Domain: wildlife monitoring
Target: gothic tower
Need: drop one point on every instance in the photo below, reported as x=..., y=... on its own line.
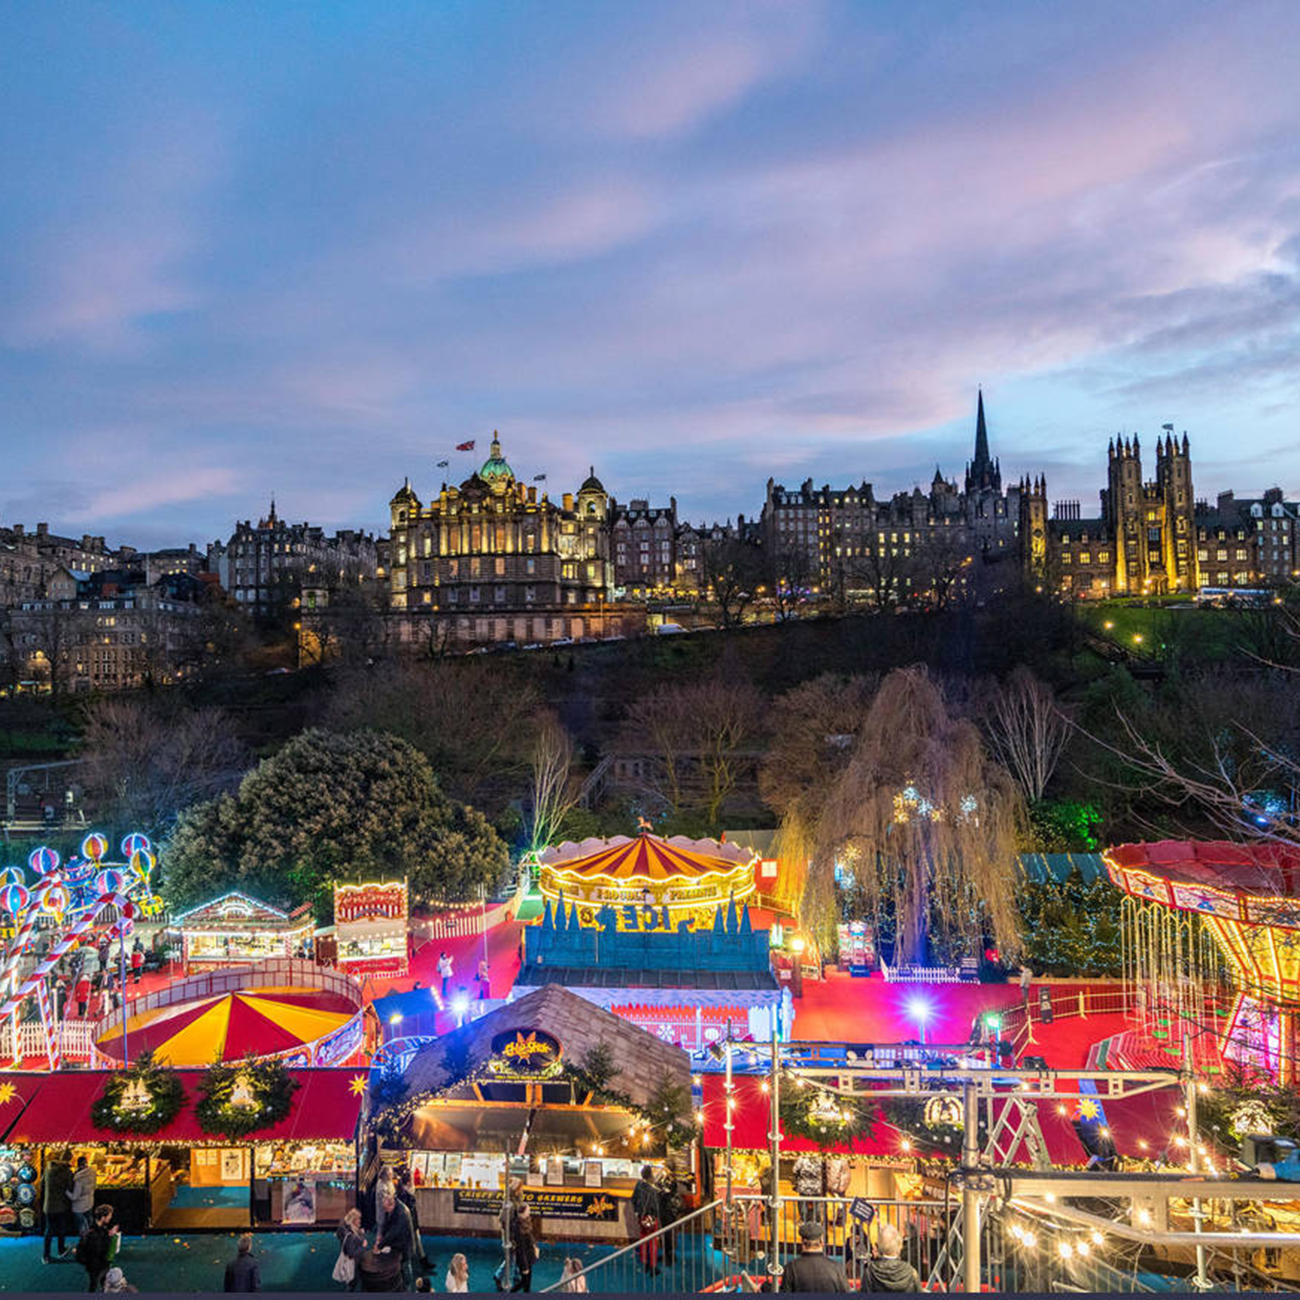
x=1033, y=525
x=1124, y=514
x=1174, y=484
x=983, y=473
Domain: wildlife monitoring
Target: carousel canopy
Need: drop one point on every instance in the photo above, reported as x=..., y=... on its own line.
x=1255, y=883
x=258, y=1021
x=646, y=858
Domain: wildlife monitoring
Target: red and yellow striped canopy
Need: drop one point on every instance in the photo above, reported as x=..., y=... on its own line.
x=226, y=1028
x=646, y=858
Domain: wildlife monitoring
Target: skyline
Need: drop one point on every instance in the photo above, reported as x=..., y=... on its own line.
x=256, y=252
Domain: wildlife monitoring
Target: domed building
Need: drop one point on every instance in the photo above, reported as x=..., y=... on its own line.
x=493, y=559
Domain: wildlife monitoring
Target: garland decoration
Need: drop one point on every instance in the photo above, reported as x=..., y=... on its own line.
x=237, y=1099
x=142, y=1098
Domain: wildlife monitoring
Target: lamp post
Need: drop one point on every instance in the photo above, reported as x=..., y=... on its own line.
x=797, y=946
x=919, y=1010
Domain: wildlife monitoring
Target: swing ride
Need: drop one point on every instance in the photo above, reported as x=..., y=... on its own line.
x=70, y=904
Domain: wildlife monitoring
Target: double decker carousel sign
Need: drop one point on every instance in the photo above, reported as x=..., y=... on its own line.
x=525, y=1054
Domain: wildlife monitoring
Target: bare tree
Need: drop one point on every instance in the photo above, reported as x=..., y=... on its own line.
x=1026, y=730
x=146, y=760
x=702, y=736
x=790, y=577
x=731, y=572
x=554, y=788
x=927, y=822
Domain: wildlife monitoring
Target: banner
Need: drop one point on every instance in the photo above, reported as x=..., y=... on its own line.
x=545, y=1202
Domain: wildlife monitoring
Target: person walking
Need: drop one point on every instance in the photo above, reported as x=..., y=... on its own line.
x=670, y=1210
x=81, y=1194
x=352, y=1245
x=82, y=994
x=406, y=1194
x=98, y=1246
x=398, y=1237
x=137, y=962
x=115, y=1282
x=55, y=1191
x=445, y=969
x=457, y=1279
x=811, y=1270
x=889, y=1272
x=525, y=1246
x=385, y=1186
x=242, y=1273
x=646, y=1212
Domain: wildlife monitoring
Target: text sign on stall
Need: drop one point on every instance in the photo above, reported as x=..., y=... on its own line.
x=375, y=902
x=546, y=1202
x=524, y=1053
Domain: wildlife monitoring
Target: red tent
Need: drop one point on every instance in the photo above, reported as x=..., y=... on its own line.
x=326, y=1105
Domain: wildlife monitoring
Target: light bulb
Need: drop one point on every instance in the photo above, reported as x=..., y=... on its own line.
x=1064, y=1249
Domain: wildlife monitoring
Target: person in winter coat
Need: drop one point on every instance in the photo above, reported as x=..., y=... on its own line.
x=98, y=1246
x=352, y=1243
x=406, y=1194
x=242, y=1273
x=810, y=1269
x=647, y=1211
x=670, y=1210
x=398, y=1237
x=54, y=1203
x=82, y=995
x=81, y=1195
x=115, y=1283
x=525, y=1248
x=457, y=1279
x=888, y=1272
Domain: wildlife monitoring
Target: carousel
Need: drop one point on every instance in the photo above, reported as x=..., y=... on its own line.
x=1211, y=935
x=650, y=883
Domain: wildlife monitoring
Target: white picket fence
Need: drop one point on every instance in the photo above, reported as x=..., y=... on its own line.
x=965, y=974
x=26, y=1041
x=471, y=918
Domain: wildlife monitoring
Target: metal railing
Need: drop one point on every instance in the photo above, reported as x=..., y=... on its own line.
x=1018, y=1021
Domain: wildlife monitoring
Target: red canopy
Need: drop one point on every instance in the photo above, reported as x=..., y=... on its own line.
x=16, y=1090
x=1148, y=1118
x=326, y=1105
x=1261, y=870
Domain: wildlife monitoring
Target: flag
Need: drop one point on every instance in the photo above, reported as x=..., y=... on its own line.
x=442, y=464
x=465, y=446
x=539, y=478
x=1168, y=428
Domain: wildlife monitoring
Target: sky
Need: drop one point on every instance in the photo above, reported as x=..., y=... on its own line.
x=305, y=248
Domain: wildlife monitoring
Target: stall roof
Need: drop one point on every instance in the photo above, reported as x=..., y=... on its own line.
x=643, y=1060
x=326, y=1106
x=597, y=977
x=17, y=1088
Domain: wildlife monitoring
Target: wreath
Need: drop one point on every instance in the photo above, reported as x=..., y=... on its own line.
x=237, y=1099
x=822, y=1115
x=142, y=1098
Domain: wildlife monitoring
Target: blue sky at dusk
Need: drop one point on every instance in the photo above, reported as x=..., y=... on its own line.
x=307, y=248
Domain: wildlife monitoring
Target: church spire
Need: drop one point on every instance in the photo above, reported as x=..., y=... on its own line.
x=983, y=473
x=981, y=437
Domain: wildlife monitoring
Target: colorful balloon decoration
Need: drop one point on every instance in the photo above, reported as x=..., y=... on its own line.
x=43, y=861
x=12, y=876
x=110, y=881
x=55, y=899
x=142, y=863
x=94, y=847
x=135, y=843
x=13, y=899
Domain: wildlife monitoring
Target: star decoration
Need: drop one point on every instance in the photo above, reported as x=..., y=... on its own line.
x=1088, y=1108
x=7, y=1091
x=358, y=1085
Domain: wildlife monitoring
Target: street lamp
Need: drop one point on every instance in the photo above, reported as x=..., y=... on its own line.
x=797, y=945
x=919, y=1009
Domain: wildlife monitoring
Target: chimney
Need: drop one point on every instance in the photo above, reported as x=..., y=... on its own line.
x=568, y=501
x=19, y=530
x=532, y=495
x=42, y=530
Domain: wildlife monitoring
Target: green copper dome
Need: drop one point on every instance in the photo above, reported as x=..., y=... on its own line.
x=495, y=466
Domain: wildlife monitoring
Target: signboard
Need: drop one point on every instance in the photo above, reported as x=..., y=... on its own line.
x=370, y=928
x=524, y=1053
x=861, y=1208
x=381, y=901
x=545, y=1202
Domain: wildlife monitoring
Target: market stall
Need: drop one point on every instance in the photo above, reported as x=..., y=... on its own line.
x=236, y=929
x=370, y=928
x=180, y=1176
x=19, y=1186
x=508, y=1096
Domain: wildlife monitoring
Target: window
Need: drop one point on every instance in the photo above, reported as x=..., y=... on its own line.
x=530, y=565
x=499, y=595
x=499, y=566
x=473, y=595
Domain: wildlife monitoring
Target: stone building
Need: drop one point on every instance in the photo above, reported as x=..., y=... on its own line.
x=106, y=631
x=265, y=566
x=29, y=559
x=1249, y=539
x=845, y=537
x=494, y=560
x=655, y=552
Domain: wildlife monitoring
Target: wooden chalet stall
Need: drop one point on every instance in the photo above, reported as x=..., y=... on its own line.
x=370, y=928
x=498, y=1098
x=236, y=929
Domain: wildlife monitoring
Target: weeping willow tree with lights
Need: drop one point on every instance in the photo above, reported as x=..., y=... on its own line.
x=928, y=824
